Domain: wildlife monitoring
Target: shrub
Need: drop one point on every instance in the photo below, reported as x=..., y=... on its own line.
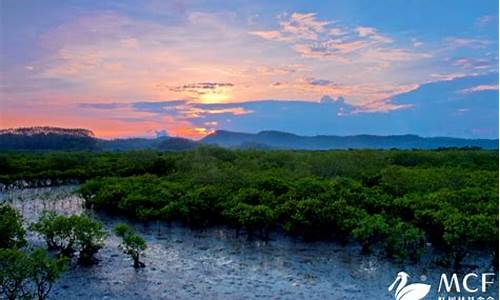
x=11, y=228
x=49, y=226
x=252, y=218
x=405, y=241
x=371, y=231
x=132, y=244
x=28, y=276
x=307, y=218
x=71, y=234
x=57, y=230
x=89, y=236
x=202, y=206
x=392, y=199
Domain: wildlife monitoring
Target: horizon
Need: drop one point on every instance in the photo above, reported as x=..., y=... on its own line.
x=158, y=136
x=189, y=68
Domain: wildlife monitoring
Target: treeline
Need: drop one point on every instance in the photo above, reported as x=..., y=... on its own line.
x=78, y=139
x=394, y=202
x=38, y=139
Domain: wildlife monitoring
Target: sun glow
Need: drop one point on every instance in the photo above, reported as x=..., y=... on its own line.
x=215, y=97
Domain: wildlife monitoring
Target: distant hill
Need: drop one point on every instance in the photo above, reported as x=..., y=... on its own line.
x=283, y=140
x=177, y=144
x=47, y=130
x=47, y=138
x=128, y=144
x=160, y=143
x=77, y=139
x=66, y=139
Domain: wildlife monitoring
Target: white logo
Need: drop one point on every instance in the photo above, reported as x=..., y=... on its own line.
x=415, y=291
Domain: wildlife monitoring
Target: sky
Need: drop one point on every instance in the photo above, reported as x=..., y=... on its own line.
x=187, y=68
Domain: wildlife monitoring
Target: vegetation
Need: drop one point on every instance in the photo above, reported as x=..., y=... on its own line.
x=71, y=234
x=11, y=228
x=28, y=276
x=132, y=243
x=389, y=200
x=47, y=138
x=23, y=274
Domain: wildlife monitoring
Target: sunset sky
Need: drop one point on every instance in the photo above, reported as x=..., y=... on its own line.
x=186, y=68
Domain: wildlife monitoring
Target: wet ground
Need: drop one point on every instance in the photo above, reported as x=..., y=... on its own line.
x=213, y=264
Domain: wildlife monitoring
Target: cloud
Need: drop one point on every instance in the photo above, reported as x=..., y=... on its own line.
x=295, y=27
x=161, y=133
x=131, y=43
x=445, y=113
x=477, y=64
x=86, y=29
x=203, y=54
x=205, y=91
x=365, y=31
x=321, y=82
x=116, y=56
x=483, y=21
x=337, y=31
x=416, y=43
x=322, y=39
x=372, y=33
x=447, y=76
x=200, y=86
x=480, y=88
x=303, y=25
x=462, y=42
x=268, y=35
x=158, y=106
x=102, y=105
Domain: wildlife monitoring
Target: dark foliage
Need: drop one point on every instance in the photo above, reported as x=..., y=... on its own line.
x=394, y=201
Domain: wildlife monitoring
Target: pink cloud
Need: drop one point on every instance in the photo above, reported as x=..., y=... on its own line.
x=458, y=42
x=268, y=35
x=473, y=63
x=480, y=88
x=365, y=31
x=313, y=38
x=304, y=25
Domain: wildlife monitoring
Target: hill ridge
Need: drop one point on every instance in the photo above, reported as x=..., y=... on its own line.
x=74, y=139
x=285, y=140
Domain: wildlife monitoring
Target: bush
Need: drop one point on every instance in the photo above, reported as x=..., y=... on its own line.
x=371, y=231
x=132, y=244
x=202, y=206
x=11, y=228
x=89, y=236
x=28, y=276
x=405, y=241
x=71, y=234
x=50, y=226
x=307, y=218
x=393, y=199
x=252, y=218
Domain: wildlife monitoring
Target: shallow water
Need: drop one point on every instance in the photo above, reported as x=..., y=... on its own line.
x=213, y=264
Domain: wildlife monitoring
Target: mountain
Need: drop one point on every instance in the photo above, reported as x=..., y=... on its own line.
x=283, y=140
x=163, y=143
x=128, y=144
x=77, y=139
x=47, y=138
x=67, y=139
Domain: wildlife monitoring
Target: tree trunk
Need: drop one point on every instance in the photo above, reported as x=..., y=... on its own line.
x=137, y=263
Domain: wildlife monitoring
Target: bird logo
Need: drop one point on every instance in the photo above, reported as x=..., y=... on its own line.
x=415, y=291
